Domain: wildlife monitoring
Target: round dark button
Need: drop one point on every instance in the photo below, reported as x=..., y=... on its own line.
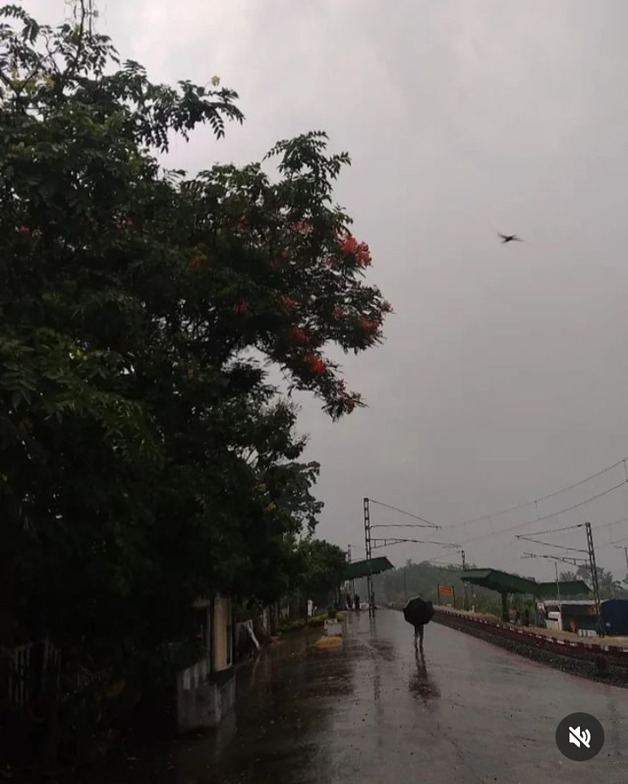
x=580, y=737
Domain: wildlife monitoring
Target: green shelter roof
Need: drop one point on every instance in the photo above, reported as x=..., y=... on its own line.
x=567, y=588
x=357, y=569
x=503, y=582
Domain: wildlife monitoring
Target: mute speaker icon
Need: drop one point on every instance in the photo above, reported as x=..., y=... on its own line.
x=578, y=737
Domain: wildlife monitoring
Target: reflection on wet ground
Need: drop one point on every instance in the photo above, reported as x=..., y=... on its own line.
x=420, y=684
x=378, y=710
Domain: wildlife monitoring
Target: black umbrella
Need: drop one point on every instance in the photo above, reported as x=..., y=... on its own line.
x=418, y=612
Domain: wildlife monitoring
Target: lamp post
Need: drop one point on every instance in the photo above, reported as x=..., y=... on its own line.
x=464, y=585
x=560, y=607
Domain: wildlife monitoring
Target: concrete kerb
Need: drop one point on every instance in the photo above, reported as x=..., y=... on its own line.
x=617, y=654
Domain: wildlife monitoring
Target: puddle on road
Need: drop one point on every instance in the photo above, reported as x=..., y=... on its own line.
x=384, y=649
x=295, y=705
x=421, y=685
x=424, y=688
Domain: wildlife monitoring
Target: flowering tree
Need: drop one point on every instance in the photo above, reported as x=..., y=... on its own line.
x=144, y=457
x=275, y=266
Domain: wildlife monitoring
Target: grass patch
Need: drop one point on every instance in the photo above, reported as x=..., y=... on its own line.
x=292, y=626
x=315, y=622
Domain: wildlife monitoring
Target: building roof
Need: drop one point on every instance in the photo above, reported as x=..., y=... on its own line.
x=572, y=602
x=567, y=588
x=496, y=580
x=357, y=569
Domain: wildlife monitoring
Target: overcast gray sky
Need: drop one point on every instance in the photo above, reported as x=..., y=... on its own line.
x=504, y=375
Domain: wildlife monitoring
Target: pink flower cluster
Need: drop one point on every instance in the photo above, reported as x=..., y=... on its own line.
x=316, y=364
x=360, y=250
x=369, y=325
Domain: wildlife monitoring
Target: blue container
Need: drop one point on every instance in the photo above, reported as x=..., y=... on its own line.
x=615, y=616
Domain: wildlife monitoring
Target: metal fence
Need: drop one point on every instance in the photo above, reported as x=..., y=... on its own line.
x=23, y=675
x=40, y=667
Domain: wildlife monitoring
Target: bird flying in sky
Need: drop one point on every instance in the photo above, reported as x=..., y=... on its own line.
x=509, y=238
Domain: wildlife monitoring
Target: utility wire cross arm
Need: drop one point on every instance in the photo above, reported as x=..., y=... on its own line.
x=429, y=523
x=550, y=544
x=375, y=543
x=401, y=525
x=570, y=561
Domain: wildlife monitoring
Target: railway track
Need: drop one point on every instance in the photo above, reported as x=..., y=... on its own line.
x=594, y=661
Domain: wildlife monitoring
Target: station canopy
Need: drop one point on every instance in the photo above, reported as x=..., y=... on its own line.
x=358, y=569
x=503, y=582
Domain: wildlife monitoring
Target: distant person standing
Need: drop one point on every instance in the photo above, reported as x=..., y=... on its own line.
x=356, y=602
x=542, y=616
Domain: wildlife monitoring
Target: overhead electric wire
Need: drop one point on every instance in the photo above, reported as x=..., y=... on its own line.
x=527, y=523
x=555, y=531
x=612, y=544
x=491, y=533
x=597, y=527
x=404, y=512
x=543, y=497
x=544, y=517
x=549, y=544
x=526, y=503
x=581, y=503
x=610, y=525
x=571, y=561
x=394, y=540
x=398, y=525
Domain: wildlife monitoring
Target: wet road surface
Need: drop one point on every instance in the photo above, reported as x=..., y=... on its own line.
x=371, y=712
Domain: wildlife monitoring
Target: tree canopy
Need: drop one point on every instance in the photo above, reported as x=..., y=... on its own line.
x=609, y=587
x=145, y=457
x=321, y=569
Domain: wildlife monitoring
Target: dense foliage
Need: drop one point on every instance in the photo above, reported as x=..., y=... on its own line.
x=608, y=586
x=321, y=572
x=398, y=585
x=145, y=459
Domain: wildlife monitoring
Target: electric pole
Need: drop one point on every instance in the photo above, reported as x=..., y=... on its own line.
x=368, y=548
x=594, y=580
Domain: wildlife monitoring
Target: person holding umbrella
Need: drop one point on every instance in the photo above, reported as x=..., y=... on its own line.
x=418, y=613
